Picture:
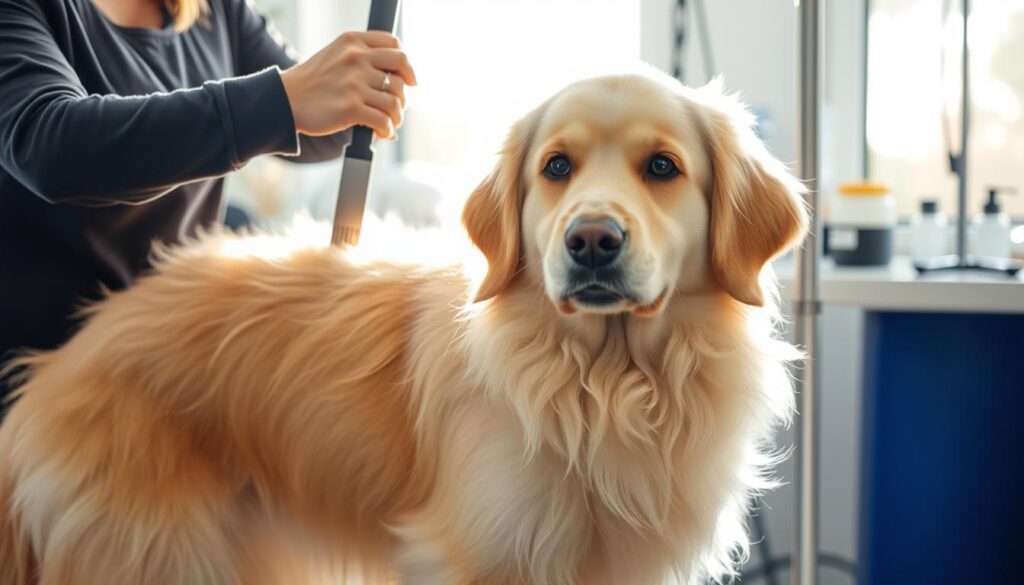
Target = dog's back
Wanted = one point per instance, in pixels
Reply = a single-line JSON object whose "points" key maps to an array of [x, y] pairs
{"points": [[192, 415]]}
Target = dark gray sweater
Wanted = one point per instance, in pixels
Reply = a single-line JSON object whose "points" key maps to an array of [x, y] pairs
{"points": [[113, 137]]}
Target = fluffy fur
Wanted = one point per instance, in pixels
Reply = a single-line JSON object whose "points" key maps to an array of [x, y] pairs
{"points": [[240, 417]]}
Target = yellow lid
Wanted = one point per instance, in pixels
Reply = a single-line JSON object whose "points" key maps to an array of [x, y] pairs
{"points": [[863, 189]]}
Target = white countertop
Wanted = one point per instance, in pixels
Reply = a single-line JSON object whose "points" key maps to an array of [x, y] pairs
{"points": [[898, 287]]}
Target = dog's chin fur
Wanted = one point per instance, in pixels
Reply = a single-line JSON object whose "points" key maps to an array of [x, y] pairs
{"points": [[236, 418]]}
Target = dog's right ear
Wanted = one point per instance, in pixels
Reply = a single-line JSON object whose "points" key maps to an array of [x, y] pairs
{"points": [[757, 209], [492, 212]]}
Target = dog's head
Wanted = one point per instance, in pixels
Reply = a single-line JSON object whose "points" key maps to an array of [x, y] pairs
{"points": [[620, 192]]}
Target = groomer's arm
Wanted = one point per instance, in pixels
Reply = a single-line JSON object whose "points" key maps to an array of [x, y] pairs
{"points": [[258, 45], [69, 146]]}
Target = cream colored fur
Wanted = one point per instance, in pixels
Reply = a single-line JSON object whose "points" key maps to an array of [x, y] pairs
{"points": [[243, 417]]}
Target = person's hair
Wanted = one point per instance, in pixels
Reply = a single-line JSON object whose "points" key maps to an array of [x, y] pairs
{"points": [[186, 12]]}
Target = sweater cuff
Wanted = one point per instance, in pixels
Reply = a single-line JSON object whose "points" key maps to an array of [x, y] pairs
{"points": [[259, 116]]}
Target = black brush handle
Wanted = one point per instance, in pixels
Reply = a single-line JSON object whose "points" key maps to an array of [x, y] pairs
{"points": [[383, 16]]}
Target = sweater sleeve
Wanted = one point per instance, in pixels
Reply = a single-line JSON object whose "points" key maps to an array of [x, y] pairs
{"points": [[258, 44], [66, 145]]}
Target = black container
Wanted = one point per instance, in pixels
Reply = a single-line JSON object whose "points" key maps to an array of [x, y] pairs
{"points": [[853, 246]]}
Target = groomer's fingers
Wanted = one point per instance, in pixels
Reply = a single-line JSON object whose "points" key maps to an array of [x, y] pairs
{"points": [[377, 39], [387, 103], [396, 62], [375, 119], [326, 90]]}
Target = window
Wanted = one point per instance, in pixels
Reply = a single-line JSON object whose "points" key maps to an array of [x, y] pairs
{"points": [[480, 66], [912, 88]]}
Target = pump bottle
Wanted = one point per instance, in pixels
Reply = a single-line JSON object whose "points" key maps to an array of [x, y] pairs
{"points": [[991, 228]]}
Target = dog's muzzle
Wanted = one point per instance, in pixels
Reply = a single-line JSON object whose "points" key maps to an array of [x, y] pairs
{"points": [[595, 245]]}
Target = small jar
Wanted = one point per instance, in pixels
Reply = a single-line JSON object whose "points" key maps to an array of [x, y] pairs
{"points": [[862, 224]]}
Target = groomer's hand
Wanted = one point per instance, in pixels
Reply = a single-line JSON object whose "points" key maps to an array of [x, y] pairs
{"points": [[344, 85]]}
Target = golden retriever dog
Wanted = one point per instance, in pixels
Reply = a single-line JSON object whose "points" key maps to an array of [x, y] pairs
{"points": [[598, 410]]}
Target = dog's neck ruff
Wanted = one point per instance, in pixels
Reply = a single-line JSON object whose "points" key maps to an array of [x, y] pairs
{"points": [[623, 412]]}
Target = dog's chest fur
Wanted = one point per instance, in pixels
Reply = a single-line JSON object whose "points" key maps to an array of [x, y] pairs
{"points": [[561, 453]]}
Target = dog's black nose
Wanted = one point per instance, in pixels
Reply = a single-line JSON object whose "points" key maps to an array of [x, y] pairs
{"points": [[594, 243]]}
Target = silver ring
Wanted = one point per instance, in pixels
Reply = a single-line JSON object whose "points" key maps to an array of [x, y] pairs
{"points": [[387, 81]]}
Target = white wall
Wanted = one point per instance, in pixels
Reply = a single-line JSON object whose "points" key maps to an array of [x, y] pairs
{"points": [[754, 43], [755, 46]]}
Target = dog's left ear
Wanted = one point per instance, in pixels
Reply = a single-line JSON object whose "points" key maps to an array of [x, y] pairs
{"points": [[492, 212], [757, 211]]}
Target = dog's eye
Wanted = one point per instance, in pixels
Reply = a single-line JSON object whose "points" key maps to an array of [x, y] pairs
{"points": [[557, 168], [661, 167]]}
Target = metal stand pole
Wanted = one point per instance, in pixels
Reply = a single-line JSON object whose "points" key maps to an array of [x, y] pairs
{"points": [[965, 127], [808, 305]]}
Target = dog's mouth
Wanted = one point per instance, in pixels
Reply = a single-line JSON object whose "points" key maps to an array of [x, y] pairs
{"points": [[601, 298], [597, 295]]}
